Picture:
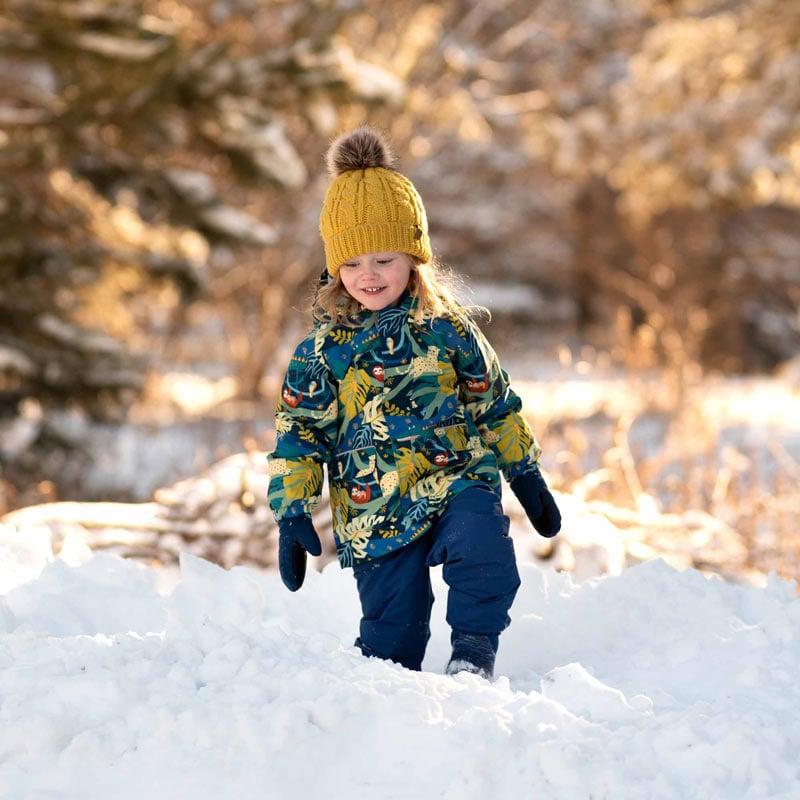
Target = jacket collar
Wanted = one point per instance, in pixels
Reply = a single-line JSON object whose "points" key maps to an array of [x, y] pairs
{"points": [[405, 305]]}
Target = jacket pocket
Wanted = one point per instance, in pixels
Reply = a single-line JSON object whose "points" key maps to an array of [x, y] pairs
{"points": [[355, 476], [448, 446]]}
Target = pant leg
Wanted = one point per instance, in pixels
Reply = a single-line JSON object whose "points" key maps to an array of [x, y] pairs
{"points": [[396, 601], [471, 542]]}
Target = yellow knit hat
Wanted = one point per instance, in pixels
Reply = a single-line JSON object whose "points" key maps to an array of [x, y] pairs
{"points": [[369, 206]]}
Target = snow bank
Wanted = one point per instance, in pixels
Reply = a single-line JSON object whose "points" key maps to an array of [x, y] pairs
{"points": [[650, 684]]}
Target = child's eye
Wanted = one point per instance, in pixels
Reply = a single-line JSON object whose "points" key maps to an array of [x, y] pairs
{"points": [[385, 260], [350, 266]]}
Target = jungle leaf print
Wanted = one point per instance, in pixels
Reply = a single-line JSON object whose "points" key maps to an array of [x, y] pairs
{"points": [[358, 531], [446, 378], [512, 443], [455, 436], [342, 336], [392, 409], [418, 511], [391, 322], [315, 366], [320, 336], [283, 422], [380, 430], [362, 438], [433, 487], [303, 481], [353, 391], [459, 327], [410, 467], [345, 554], [339, 504], [372, 410], [430, 397], [359, 543], [307, 435]]}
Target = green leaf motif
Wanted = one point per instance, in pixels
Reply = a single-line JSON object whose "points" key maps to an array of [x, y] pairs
{"points": [[411, 466], [353, 391], [341, 336], [303, 480]]}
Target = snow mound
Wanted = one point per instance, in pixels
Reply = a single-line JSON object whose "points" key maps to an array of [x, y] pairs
{"points": [[650, 684]]}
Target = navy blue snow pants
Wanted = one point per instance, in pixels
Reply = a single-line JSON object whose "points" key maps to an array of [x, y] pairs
{"points": [[471, 542]]}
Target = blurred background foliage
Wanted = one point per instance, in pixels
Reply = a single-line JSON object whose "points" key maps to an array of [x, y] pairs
{"points": [[628, 171]]}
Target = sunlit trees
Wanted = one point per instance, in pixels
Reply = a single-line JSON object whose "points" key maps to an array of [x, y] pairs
{"points": [[642, 156], [672, 129], [635, 165], [150, 149]]}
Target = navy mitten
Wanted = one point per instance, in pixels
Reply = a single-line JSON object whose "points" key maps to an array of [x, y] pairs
{"points": [[539, 504], [296, 538]]}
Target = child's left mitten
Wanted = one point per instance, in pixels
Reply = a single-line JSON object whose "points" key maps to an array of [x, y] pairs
{"points": [[296, 538], [539, 504]]}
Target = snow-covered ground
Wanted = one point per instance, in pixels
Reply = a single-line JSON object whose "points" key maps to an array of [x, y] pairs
{"points": [[121, 681]]}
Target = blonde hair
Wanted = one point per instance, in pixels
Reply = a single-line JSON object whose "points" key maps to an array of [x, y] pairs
{"points": [[436, 289]]}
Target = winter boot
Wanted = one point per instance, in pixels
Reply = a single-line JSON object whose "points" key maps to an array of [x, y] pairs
{"points": [[472, 652]]}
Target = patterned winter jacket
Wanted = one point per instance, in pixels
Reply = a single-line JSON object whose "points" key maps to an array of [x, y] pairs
{"points": [[404, 417]]}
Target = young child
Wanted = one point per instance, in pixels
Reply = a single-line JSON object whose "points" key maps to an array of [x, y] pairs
{"points": [[397, 392]]}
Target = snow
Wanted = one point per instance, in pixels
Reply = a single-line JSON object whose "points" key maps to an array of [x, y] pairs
{"points": [[120, 680]]}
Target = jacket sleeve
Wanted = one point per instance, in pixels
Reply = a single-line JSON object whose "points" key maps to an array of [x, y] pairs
{"points": [[484, 389], [305, 420]]}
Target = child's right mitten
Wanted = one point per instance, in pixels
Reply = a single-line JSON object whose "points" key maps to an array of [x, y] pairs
{"points": [[296, 538], [540, 506]]}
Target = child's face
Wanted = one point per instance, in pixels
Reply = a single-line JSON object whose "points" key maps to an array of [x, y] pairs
{"points": [[376, 280]]}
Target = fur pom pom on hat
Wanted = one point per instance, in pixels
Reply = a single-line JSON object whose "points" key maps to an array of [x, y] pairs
{"points": [[369, 206], [363, 148]]}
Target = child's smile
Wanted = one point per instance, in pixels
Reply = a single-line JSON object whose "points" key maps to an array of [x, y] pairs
{"points": [[376, 280]]}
